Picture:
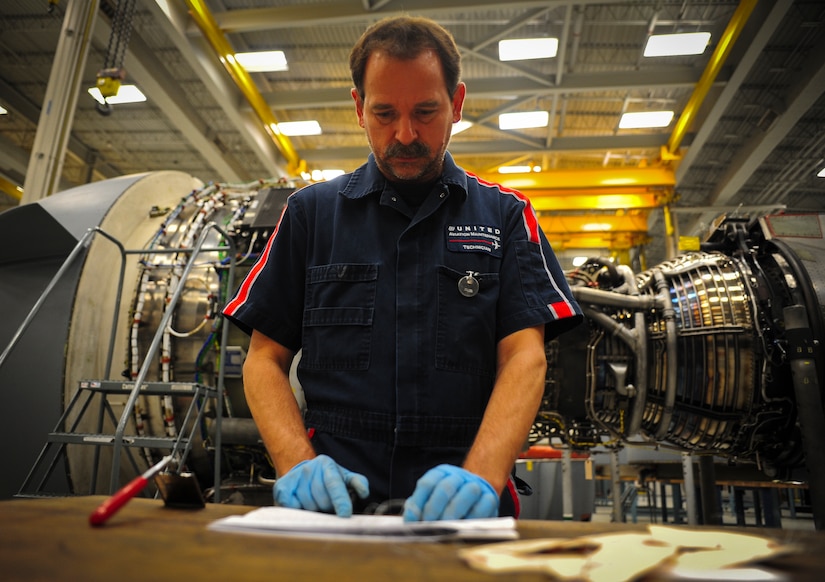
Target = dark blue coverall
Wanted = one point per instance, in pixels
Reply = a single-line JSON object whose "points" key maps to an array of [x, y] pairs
{"points": [[397, 362]]}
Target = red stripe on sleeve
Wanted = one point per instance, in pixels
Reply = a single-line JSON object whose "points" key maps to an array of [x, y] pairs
{"points": [[562, 309], [243, 291], [531, 223]]}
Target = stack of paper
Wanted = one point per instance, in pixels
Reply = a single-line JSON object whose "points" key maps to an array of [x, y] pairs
{"points": [[299, 523]]}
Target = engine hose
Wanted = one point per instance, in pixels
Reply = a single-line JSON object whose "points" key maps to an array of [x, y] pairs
{"points": [[671, 346]]}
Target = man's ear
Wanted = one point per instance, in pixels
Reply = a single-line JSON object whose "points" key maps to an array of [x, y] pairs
{"points": [[458, 101], [359, 106]]}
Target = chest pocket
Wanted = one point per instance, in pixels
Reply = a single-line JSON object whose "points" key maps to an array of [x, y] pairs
{"points": [[466, 327], [338, 316]]}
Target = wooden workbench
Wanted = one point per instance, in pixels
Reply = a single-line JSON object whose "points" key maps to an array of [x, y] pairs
{"points": [[51, 540]]}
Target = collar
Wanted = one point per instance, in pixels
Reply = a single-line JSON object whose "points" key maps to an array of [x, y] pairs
{"points": [[368, 179]]}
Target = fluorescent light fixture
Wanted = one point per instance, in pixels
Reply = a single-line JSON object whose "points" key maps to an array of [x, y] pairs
{"points": [[821, 173], [296, 128], [460, 126], [672, 45], [3, 110], [126, 94], [522, 49], [263, 61], [597, 226], [514, 169], [319, 175], [523, 120], [645, 119], [618, 181]]}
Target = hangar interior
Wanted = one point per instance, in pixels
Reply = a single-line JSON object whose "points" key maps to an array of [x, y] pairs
{"points": [[695, 248]]}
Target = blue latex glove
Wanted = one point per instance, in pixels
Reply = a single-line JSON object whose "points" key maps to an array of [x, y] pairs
{"points": [[450, 492], [320, 484]]}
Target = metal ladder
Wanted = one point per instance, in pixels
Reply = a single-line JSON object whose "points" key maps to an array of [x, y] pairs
{"points": [[79, 404]]}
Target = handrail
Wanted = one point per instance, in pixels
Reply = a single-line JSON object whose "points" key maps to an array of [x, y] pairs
{"points": [[195, 250], [81, 245], [155, 344]]}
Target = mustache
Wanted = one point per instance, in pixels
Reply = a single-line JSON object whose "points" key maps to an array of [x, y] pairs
{"points": [[414, 150]]}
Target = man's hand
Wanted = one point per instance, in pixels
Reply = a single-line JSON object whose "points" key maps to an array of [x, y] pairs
{"points": [[320, 484], [450, 492]]}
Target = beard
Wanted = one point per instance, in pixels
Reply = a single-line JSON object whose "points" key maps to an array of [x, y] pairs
{"points": [[426, 167]]}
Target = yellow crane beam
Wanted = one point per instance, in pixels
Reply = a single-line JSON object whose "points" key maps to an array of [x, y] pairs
{"points": [[620, 231], [217, 39], [11, 188], [717, 60], [585, 178]]}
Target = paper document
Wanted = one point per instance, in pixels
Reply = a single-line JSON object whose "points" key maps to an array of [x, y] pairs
{"points": [[298, 523]]}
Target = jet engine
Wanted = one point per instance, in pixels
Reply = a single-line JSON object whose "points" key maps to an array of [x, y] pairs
{"points": [[716, 351]]}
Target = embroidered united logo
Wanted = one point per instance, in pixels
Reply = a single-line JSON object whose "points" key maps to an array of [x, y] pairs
{"points": [[474, 238]]}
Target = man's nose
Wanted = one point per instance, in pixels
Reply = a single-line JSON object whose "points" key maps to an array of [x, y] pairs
{"points": [[405, 131]]}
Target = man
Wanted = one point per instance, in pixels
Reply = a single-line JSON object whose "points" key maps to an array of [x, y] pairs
{"points": [[421, 298]]}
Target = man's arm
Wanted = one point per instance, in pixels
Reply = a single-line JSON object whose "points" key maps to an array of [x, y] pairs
{"points": [[305, 480], [272, 403], [511, 411]]}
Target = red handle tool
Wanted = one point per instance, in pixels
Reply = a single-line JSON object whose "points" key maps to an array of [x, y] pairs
{"points": [[109, 507]]}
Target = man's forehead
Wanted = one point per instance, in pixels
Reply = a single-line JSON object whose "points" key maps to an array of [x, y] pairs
{"points": [[385, 78]]}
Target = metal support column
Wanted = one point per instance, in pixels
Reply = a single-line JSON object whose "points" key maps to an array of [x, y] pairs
{"points": [[663, 492], [690, 489], [616, 489], [567, 484], [711, 510], [738, 502], [676, 490], [771, 506], [56, 116]]}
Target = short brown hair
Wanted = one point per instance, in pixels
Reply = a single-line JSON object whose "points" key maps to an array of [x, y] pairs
{"points": [[404, 37]]}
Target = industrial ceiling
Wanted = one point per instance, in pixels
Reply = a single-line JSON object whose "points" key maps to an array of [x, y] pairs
{"points": [[748, 135]]}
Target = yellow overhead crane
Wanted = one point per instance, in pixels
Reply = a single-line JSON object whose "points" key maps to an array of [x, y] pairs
{"points": [[595, 209], [609, 208]]}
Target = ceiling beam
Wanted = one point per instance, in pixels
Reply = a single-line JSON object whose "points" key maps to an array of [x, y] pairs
{"points": [[174, 19], [509, 147], [31, 112], [497, 88], [165, 93], [805, 91], [755, 44], [13, 159], [347, 11]]}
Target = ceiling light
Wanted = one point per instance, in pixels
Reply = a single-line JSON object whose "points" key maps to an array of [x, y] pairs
{"points": [[319, 175], [645, 119], [125, 94], [460, 126], [597, 226], [297, 128], [523, 120], [514, 169], [3, 110], [671, 45], [262, 61], [522, 49], [821, 173]]}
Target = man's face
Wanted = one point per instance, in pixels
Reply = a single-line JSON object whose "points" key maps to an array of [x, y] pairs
{"points": [[408, 115]]}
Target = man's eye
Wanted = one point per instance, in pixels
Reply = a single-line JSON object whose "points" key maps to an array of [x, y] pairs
{"points": [[384, 115], [426, 112]]}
